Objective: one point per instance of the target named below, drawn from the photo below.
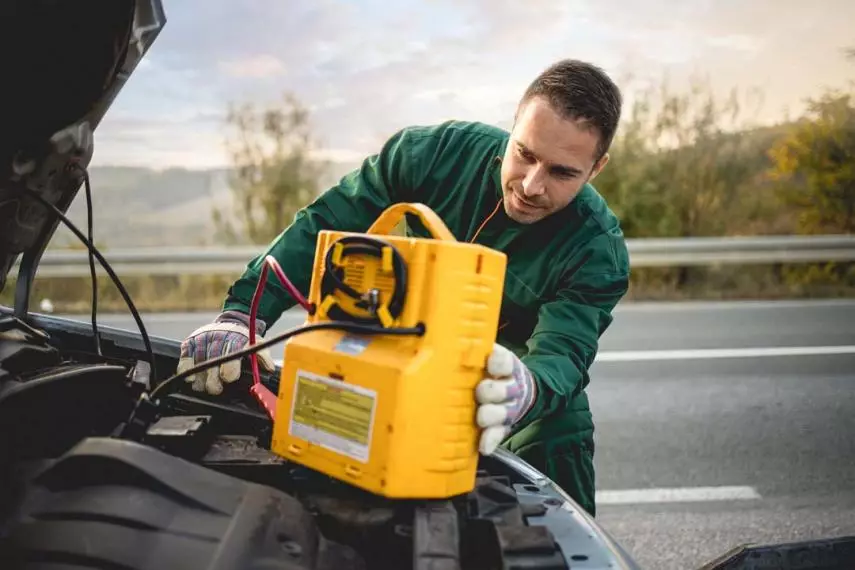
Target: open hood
(63, 65)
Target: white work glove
(228, 333)
(503, 397)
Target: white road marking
(676, 306)
(715, 353)
(676, 495)
(711, 353)
(295, 317)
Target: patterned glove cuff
(528, 388)
(242, 318)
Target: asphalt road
(642, 326)
(717, 424)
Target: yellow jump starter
(394, 415)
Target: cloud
(258, 66)
(368, 67)
(737, 42)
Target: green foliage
(688, 164)
(814, 165)
(274, 174)
(683, 166)
(685, 163)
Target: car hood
(63, 65)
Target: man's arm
(517, 391)
(353, 204)
(566, 338)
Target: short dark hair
(578, 90)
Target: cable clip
(371, 301)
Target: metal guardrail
(644, 252)
(754, 250)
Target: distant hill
(135, 207)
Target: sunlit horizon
(367, 68)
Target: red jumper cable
(263, 394)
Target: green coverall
(564, 276)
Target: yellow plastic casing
(395, 415)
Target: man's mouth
(525, 202)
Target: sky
(366, 68)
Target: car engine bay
(192, 484)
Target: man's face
(547, 162)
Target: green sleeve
(390, 176)
(565, 339)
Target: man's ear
(599, 166)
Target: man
(526, 193)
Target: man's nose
(534, 182)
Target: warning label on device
(333, 414)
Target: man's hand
(228, 333)
(503, 397)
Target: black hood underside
(63, 62)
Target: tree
(274, 173)
(682, 165)
(685, 163)
(814, 165)
(814, 169)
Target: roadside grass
(188, 293)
